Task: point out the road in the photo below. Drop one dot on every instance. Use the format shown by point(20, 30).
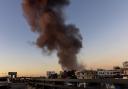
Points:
point(23, 86)
point(20, 86)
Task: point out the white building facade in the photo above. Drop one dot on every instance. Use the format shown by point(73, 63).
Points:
point(125, 69)
point(101, 73)
point(86, 74)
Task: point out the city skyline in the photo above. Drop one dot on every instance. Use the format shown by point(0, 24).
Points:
point(103, 25)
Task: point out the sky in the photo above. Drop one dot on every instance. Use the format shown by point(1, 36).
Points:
point(102, 23)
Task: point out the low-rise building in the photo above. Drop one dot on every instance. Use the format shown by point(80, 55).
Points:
point(125, 69)
point(52, 75)
point(115, 73)
point(86, 74)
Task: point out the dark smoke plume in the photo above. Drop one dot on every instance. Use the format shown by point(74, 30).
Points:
point(46, 18)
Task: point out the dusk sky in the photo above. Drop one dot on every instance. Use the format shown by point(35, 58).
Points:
point(103, 25)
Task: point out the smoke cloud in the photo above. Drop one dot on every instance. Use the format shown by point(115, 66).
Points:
point(46, 18)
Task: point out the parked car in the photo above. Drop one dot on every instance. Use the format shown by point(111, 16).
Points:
point(4, 82)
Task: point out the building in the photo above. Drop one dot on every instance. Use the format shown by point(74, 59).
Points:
point(125, 69)
point(12, 75)
point(86, 74)
point(52, 75)
point(68, 74)
point(114, 73)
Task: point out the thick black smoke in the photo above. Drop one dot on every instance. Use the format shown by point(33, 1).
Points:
point(46, 18)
